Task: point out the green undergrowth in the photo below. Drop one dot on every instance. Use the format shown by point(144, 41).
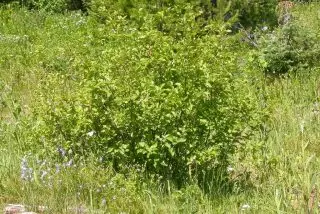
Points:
point(111, 118)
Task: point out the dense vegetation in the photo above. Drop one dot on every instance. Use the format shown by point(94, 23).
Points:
point(159, 107)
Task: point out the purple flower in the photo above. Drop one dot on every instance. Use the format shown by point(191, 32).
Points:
point(26, 171)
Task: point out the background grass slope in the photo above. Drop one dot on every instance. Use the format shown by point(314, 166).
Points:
point(51, 63)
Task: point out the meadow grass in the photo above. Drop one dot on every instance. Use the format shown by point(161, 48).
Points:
point(277, 177)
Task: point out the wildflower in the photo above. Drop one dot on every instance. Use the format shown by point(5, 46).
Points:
point(44, 163)
point(103, 202)
point(50, 185)
point(315, 109)
point(57, 168)
point(44, 173)
point(62, 152)
point(101, 159)
point(26, 172)
point(69, 163)
point(245, 207)
point(24, 162)
point(38, 161)
point(230, 169)
point(91, 133)
point(80, 21)
point(264, 28)
point(42, 209)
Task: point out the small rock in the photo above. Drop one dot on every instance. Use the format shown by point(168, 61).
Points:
point(14, 209)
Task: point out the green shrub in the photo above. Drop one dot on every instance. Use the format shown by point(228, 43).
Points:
point(289, 48)
point(250, 13)
point(57, 6)
point(293, 45)
point(142, 99)
point(164, 16)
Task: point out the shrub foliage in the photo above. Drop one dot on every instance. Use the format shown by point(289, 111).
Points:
point(141, 98)
point(250, 13)
point(290, 47)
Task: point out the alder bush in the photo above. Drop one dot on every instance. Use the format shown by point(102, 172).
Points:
point(249, 13)
point(143, 99)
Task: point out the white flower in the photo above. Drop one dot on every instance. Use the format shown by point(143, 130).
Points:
point(90, 134)
point(44, 173)
point(103, 202)
point(264, 28)
point(245, 207)
point(230, 169)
